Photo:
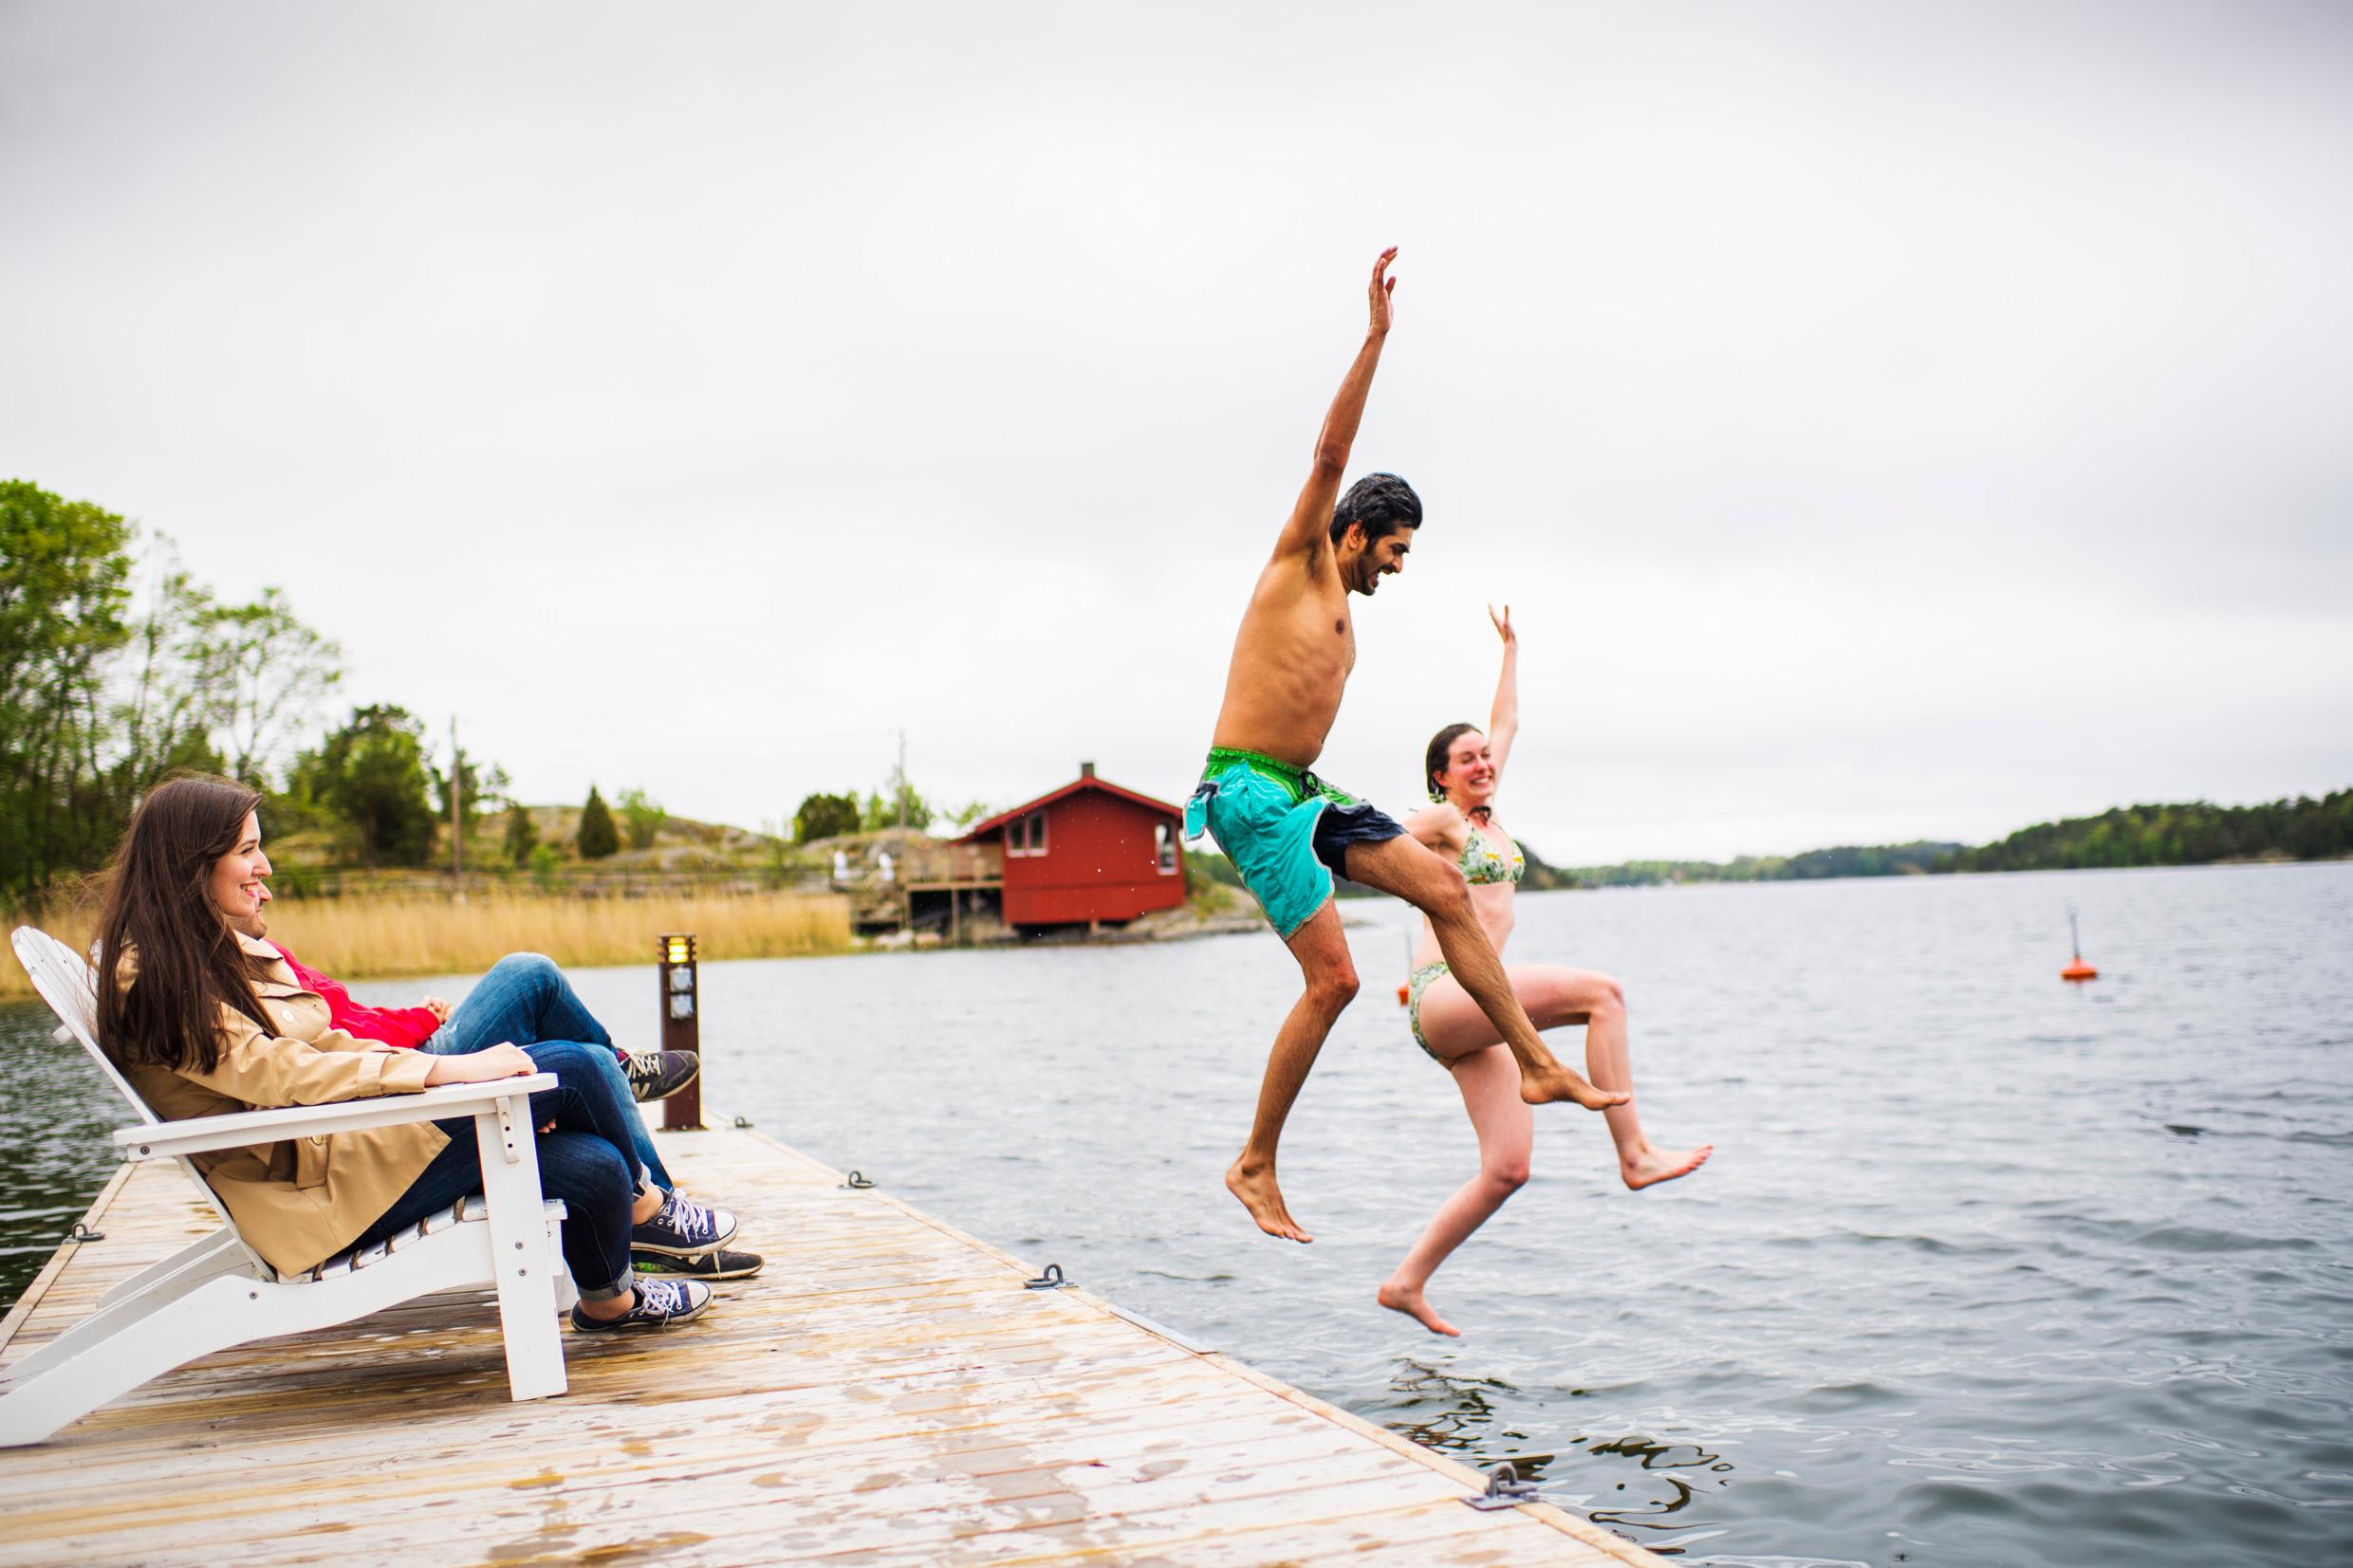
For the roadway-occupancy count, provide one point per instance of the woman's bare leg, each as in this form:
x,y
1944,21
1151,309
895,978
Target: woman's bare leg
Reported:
x,y
1556,997
1490,1081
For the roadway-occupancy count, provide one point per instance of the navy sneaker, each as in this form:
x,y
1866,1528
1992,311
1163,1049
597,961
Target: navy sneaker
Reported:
x,y
660,1302
658,1074
722,1265
682,1228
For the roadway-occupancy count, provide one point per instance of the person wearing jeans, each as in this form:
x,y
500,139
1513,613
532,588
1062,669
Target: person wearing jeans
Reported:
x,y
525,1000
586,1159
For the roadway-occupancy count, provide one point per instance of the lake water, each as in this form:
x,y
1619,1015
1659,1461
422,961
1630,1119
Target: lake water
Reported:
x,y
1986,1268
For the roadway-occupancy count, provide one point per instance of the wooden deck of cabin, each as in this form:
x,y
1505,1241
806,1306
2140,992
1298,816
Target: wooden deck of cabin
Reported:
x,y
886,1392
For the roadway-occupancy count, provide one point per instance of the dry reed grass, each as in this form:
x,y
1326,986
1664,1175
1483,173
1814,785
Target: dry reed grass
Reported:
x,y
356,938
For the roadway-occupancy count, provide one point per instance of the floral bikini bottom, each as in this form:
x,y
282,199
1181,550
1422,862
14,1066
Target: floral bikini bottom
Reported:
x,y
1415,984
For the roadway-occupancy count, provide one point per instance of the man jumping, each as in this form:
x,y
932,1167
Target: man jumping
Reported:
x,y
1286,830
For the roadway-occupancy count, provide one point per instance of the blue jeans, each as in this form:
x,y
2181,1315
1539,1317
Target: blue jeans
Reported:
x,y
525,1000
586,1161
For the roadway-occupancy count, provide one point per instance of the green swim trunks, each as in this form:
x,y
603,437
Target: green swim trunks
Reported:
x,y
1285,830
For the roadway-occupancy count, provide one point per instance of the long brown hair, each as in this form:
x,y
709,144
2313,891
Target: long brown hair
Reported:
x,y
1434,760
159,902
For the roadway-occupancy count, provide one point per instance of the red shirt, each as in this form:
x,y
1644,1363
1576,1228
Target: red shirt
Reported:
x,y
407,1027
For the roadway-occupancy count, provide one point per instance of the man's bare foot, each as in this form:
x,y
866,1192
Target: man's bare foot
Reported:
x,y
1653,1166
1411,1302
1264,1200
1549,1085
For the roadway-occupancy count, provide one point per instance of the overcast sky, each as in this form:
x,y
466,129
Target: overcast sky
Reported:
x,y
1885,420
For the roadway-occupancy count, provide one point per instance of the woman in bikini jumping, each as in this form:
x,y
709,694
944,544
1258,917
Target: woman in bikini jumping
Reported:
x,y
1462,769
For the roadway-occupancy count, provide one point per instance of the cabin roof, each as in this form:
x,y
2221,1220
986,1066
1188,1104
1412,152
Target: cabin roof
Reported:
x,y
997,823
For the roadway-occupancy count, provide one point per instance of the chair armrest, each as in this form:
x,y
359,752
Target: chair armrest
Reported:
x,y
240,1129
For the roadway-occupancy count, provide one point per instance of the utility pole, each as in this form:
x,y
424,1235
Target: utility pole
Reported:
x,y
457,811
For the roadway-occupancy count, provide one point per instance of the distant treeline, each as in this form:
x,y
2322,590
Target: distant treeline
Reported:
x,y
1845,860
2197,834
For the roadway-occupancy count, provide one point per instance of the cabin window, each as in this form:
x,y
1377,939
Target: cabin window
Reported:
x,y
1165,846
1037,832
1017,835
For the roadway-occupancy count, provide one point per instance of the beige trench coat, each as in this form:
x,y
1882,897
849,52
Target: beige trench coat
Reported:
x,y
300,1201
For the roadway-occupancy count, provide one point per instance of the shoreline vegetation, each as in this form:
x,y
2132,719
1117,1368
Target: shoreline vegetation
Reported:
x,y
2197,833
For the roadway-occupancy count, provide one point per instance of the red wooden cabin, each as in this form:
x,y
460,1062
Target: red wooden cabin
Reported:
x,y
1089,850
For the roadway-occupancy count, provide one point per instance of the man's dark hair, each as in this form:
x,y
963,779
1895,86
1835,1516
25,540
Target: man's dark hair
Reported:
x,y
1383,503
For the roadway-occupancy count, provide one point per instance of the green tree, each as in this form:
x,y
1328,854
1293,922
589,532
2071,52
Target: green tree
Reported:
x,y
165,713
644,816
823,815
266,671
547,867
484,788
64,593
884,810
522,835
371,773
597,837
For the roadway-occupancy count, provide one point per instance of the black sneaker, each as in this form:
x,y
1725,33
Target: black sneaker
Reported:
x,y
658,1074
660,1302
682,1228
721,1264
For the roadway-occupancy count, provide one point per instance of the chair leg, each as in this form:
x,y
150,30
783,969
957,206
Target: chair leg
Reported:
x,y
523,1258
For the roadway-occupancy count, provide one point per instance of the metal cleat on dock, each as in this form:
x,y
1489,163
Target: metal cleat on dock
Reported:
x,y
1505,1489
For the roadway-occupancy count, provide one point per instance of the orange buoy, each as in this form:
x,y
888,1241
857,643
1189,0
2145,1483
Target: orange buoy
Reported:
x,y
1403,990
2079,970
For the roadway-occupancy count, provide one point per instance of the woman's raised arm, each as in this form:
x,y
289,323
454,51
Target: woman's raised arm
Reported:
x,y
1503,720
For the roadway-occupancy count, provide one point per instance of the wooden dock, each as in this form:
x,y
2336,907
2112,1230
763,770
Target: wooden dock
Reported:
x,y
886,1392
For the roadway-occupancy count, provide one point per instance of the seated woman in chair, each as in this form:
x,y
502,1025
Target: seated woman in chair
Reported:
x,y
205,1020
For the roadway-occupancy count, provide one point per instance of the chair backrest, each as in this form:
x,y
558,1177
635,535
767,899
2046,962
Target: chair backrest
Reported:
x,y
69,986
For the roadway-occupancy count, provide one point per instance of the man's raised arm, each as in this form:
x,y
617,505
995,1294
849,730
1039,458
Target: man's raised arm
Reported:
x,y
1311,520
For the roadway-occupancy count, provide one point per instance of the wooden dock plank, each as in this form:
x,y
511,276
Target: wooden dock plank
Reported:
x,y
886,1394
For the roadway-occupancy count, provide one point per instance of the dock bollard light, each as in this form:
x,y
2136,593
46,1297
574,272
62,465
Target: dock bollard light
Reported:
x,y
681,1027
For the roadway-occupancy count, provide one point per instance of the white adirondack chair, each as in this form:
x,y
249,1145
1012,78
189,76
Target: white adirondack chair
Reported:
x,y
218,1292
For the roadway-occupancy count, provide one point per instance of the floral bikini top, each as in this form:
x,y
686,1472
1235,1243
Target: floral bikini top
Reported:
x,y
1482,863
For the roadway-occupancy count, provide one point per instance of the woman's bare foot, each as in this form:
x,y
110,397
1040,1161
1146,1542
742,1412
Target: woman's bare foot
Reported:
x,y
1653,1166
1549,1085
1259,1194
1411,1302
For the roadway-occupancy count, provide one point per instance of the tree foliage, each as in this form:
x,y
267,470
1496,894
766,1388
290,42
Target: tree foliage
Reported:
x,y
642,815
597,837
2197,834
64,596
522,835
482,789
824,817
265,672
887,810
371,773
